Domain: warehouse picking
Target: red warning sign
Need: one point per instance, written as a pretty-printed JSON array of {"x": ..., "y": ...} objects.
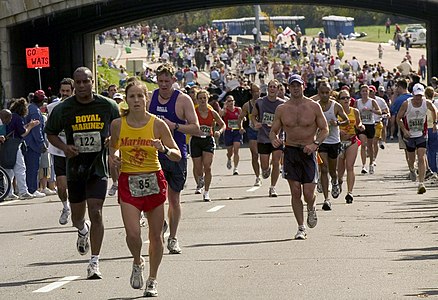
[{"x": 37, "y": 57}]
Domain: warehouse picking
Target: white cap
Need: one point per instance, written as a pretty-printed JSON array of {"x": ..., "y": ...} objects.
[
  {"x": 118, "y": 96},
  {"x": 418, "y": 89}
]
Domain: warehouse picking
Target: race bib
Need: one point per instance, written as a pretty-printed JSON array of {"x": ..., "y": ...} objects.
[
  {"x": 268, "y": 119},
  {"x": 366, "y": 116},
  {"x": 233, "y": 124},
  {"x": 416, "y": 125},
  {"x": 143, "y": 185},
  {"x": 206, "y": 130},
  {"x": 87, "y": 141}
]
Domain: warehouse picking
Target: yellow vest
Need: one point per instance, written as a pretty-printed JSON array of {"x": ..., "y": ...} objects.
[{"x": 137, "y": 152}]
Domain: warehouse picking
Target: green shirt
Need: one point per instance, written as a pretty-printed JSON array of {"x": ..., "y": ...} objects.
[{"x": 86, "y": 126}]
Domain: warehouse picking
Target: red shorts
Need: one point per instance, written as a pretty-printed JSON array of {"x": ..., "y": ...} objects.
[{"x": 145, "y": 203}]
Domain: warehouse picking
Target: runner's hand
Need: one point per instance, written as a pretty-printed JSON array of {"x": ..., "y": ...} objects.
[
  {"x": 158, "y": 145},
  {"x": 70, "y": 151}
]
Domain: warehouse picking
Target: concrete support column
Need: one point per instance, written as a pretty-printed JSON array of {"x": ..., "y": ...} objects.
[
  {"x": 432, "y": 49},
  {"x": 90, "y": 55},
  {"x": 5, "y": 63}
]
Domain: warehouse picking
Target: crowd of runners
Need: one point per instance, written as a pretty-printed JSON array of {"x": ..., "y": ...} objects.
[{"x": 303, "y": 113}]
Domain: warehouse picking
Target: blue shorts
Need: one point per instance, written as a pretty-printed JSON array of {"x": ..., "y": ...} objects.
[
  {"x": 231, "y": 137},
  {"x": 175, "y": 173},
  {"x": 251, "y": 134},
  {"x": 299, "y": 166}
]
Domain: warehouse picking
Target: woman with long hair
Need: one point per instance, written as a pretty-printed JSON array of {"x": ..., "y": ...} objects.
[
  {"x": 139, "y": 136},
  {"x": 349, "y": 143}
]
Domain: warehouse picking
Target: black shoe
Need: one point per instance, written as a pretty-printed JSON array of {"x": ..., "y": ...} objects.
[
  {"x": 349, "y": 198},
  {"x": 327, "y": 205}
]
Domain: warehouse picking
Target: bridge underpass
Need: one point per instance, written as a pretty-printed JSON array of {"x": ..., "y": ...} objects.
[{"x": 68, "y": 29}]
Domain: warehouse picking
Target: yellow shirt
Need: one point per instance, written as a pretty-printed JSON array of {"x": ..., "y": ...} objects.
[
  {"x": 350, "y": 127},
  {"x": 138, "y": 155}
]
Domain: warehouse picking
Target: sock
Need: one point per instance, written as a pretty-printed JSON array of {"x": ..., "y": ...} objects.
[
  {"x": 94, "y": 258},
  {"x": 66, "y": 204},
  {"x": 301, "y": 227},
  {"x": 84, "y": 230}
]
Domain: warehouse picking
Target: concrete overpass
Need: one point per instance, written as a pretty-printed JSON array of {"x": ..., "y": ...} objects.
[{"x": 68, "y": 28}]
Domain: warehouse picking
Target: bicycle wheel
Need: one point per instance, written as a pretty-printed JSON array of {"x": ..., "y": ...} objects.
[{"x": 5, "y": 184}]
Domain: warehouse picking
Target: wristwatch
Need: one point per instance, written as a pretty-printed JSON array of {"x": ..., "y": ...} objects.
[
  {"x": 317, "y": 143},
  {"x": 176, "y": 126}
]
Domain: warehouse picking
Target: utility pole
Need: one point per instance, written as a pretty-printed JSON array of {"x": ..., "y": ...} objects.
[{"x": 257, "y": 11}]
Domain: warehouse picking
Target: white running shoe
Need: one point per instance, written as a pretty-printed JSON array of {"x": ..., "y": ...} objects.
[
  {"x": 38, "y": 194},
  {"x": 258, "y": 182},
  {"x": 137, "y": 279},
  {"x": 301, "y": 234},
  {"x": 65, "y": 213},
  {"x": 151, "y": 288},
  {"x": 48, "y": 192},
  {"x": 421, "y": 189},
  {"x": 93, "y": 270},
  {"x": 272, "y": 192},
  {"x": 235, "y": 171},
  {"x": 371, "y": 169},
  {"x": 113, "y": 190},
  {"x": 173, "y": 246},
  {"x": 82, "y": 243},
  {"x": 207, "y": 197}
]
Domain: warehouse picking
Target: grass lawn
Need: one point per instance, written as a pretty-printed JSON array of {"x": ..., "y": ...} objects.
[
  {"x": 111, "y": 77},
  {"x": 375, "y": 34}
]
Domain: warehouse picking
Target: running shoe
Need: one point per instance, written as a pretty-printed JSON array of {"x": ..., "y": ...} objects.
[
  {"x": 301, "y": 235},
  {"x": 26, "y": 196},
  {"x": 113, "y": 190},
  {"x": 272, "y": 192},
  {"x": 151, "y": 288},
  {"x": 327, "y": 205},
  {"x": 382, "y": 145},
  {"x": 201, "y": 181},
  {"x": 335, "y": 190},
  {"x": 48, "y": 192},
  {"x": 12, "y": 197},
  {"x": 198, "y": 190},
  {"x": 142, "y": 220},
  {"x": 82, "y": 243},
  {"x": 312, "y": 219},
  {"x": 93, "y": 270},
  {"x": 38, "y": 194},
  {"x": 364, "y": 170},
  {"x": 137, "y": 279},
  {"x": 207, "y": 197},
  {"x": 258, "y": 182},
  {"x": 349, "y": 198},
  {"x": 412, "y": 175},
  {"x": 266, "y": 173},
  {"x": 65, "y": 213},
  {"x": 173, "y": 246},
  {"x": 235, "y": 171},
  {"x": 421, "y": 189},
  {"x": 229, "y": 164},
  {"x": 371, "y": 169},
  {"x": 319, "y": 186}
]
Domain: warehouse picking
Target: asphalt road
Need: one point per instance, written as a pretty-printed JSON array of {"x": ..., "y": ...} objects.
[{"x": 240, "y": 246}]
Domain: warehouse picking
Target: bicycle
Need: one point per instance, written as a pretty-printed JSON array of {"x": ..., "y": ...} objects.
[{"x": 5, "y": 184}]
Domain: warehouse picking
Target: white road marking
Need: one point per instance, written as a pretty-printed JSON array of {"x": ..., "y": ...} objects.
[
  {"x": 254, "y": 188},
  {"x": 57, "y": 284},
  {"x": 9, "y": 202},
  {"x": 166, "y": 235},
  {"x": 216, "y": 208}
]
